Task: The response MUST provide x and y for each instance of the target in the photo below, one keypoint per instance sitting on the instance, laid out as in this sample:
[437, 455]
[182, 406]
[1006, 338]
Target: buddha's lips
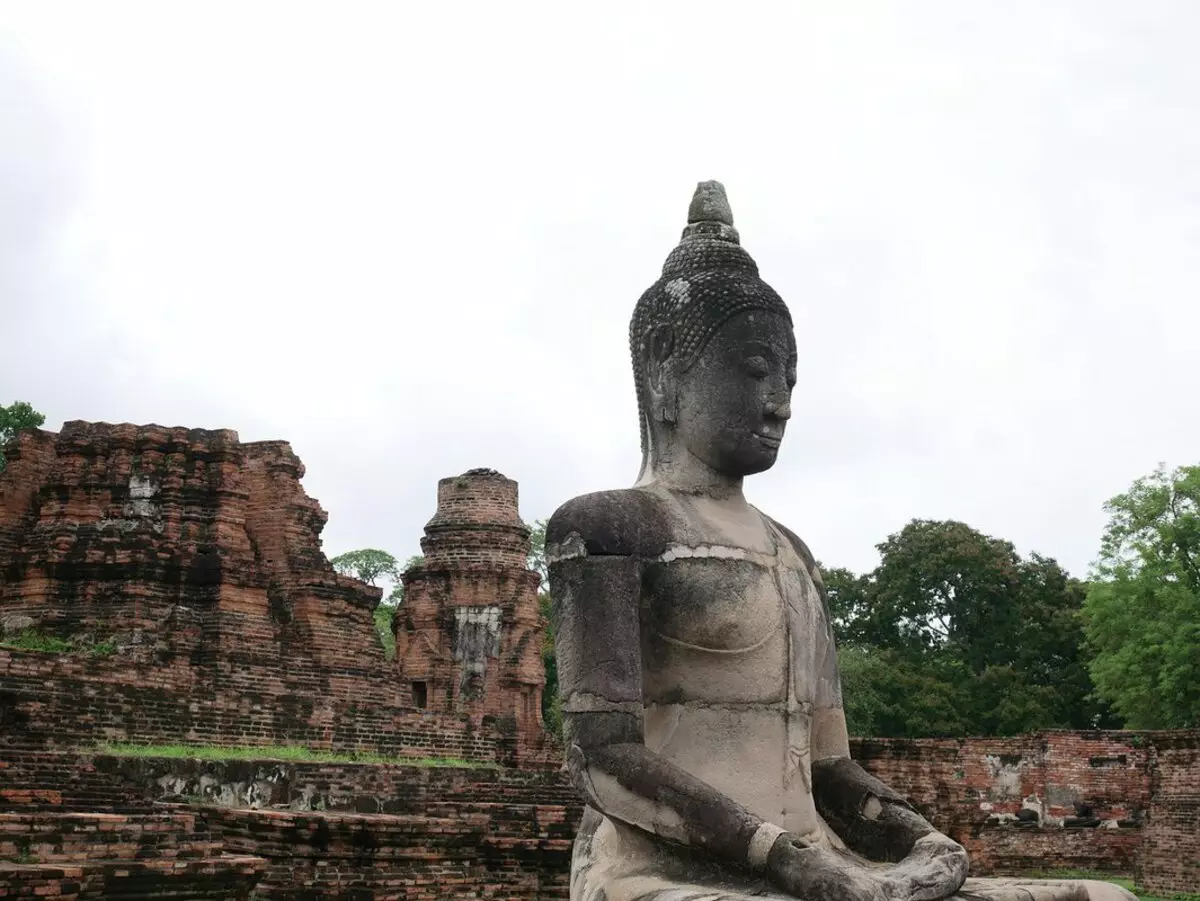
[773, 440]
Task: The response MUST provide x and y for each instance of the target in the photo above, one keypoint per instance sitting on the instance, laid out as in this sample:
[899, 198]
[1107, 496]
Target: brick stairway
[86, 826]
[70, 855]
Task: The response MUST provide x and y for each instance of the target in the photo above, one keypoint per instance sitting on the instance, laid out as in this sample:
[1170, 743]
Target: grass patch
[35, 640]
[280, 752]
[101, 649]
[1116, 880]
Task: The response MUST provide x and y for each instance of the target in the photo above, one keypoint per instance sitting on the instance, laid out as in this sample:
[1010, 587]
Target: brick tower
[468, 634]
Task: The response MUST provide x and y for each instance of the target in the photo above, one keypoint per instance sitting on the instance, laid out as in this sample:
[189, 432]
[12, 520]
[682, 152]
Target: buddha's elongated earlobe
[663, 393]
[670, 410]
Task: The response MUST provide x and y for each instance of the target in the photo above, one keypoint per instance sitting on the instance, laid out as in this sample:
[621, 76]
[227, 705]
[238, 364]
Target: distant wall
[1170, 857]
[974, 788]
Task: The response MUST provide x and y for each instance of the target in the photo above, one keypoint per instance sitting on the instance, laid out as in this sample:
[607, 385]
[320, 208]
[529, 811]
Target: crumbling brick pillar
[468, 633]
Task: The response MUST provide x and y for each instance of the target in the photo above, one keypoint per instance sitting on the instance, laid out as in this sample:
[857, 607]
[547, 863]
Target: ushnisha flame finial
[710, 215]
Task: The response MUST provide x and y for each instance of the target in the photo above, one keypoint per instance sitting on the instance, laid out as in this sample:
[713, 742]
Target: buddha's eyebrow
[755, 347]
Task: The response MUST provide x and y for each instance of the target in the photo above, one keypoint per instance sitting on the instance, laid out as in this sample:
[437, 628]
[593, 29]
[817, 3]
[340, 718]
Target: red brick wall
[199, 556]
[476, 524]
[972, 789]
[1170, 857]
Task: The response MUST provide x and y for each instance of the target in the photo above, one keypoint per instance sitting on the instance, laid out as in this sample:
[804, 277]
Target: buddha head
[714, 354]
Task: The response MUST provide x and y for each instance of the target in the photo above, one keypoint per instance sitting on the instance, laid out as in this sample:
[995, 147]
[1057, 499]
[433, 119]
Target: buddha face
[734, 402]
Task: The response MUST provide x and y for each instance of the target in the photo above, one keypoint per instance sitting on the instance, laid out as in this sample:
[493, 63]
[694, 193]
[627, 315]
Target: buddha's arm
[868, 815]
[596, 633]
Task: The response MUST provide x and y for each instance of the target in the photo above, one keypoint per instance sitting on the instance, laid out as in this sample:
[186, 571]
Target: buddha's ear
[660, 372]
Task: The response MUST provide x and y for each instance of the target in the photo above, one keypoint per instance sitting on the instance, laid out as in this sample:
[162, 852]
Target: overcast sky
[408, 238]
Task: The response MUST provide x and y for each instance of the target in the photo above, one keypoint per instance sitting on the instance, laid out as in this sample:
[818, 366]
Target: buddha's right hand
[815, 874]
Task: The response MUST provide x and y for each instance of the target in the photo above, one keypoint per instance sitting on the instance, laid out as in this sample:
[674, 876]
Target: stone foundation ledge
[83, 780]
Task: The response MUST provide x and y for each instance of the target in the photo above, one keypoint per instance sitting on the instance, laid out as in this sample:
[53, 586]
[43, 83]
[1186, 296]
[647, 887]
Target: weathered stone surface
[701, 696]
[469, 634]
[16, 623]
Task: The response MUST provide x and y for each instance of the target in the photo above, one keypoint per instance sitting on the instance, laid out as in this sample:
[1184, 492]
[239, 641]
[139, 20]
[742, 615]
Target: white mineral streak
[141, 510]
[569, 548]
[477, 635]
[678, 291]
[681, 551]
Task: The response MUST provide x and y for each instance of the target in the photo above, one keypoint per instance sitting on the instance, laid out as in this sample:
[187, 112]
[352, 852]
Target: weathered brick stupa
[468, 635]
[195, 560]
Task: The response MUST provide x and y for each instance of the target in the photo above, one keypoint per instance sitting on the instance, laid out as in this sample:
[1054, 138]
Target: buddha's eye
[758, 368]
[791, 378]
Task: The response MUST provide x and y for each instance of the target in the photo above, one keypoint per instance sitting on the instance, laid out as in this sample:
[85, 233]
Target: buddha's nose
[776, 410]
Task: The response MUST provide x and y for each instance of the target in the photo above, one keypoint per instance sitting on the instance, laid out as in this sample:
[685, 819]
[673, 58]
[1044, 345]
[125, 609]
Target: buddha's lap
[649, 888]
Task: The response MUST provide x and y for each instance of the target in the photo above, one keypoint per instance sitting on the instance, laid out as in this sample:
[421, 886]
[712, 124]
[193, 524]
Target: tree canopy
[954, 633]
[1143, 605]
[16, 416]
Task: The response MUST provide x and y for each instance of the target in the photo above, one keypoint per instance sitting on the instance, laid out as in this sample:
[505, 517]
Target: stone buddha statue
[702, 705]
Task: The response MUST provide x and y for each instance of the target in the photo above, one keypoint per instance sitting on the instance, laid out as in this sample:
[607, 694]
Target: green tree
[943, 585]
[16, 416]
[849, 604]
[955, 633]
[1142, 610]
[374, 566]
[889, 695]
[368, 565]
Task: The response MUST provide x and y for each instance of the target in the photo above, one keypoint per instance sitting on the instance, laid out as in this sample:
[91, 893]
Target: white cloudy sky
[408, 237]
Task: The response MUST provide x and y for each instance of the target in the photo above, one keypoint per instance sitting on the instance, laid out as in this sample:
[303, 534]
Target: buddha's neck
[688, 475]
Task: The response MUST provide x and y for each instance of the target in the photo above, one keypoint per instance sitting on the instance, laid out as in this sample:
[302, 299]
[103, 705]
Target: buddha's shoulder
[801, 549]
[623, 522]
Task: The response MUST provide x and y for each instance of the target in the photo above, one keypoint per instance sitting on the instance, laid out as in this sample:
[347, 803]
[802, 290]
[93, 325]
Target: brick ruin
[469, 635]
[185, 567]
[194, 560]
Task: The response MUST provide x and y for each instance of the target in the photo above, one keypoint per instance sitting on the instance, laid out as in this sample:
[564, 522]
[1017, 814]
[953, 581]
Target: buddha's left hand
[934, 869]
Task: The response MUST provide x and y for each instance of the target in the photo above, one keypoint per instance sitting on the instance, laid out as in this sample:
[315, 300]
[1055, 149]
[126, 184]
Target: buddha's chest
[727, 629]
